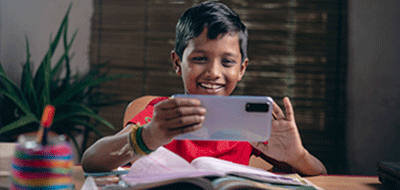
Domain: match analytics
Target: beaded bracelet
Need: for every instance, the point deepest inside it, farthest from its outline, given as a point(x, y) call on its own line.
point(136, 141)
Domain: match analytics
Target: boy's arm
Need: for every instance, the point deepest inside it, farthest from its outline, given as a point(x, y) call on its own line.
point(98, 156)
point(308, 165)
point(170, 118)
point(285, 145)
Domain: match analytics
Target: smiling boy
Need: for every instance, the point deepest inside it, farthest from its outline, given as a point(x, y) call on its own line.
point(211, 66)
point(211, 57)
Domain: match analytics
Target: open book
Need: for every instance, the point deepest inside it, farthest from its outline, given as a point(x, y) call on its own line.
point(164, 167)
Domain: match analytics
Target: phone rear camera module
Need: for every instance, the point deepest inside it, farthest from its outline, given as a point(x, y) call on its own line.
point(257, 107)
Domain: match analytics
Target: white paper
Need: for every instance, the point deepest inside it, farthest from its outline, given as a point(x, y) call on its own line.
point(163, 165)
point(89, 184)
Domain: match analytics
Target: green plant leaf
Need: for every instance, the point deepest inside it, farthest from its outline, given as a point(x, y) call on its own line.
point(64, 83)
point(54, 44)
point(44, 93)
point(28, 53)
point(75, 110)
point(65, 58)
point(27, 83)
point(86, 124)
point(2, 70)
point(21, 104)
point(82, 85)
point(101, 99)
point(72, 95)
point(84, 114)
point(9, 86)
point(15, 94)
point(76, 107)
point(41, 73)
point(22, 121)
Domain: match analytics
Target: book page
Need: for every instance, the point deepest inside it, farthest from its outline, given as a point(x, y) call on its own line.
point(160, 161)
point(233, 182)
point(210, 163)
point(162, 165)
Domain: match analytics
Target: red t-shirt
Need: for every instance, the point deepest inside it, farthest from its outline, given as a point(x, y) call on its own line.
point(234, 151)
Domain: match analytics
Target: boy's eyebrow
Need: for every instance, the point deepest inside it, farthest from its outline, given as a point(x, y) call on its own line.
point(230, 54)
point(204, 51)
point(199, 51)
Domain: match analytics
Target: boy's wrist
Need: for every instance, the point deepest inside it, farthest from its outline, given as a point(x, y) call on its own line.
point(308, 165)
point(148, 138)
point(299, 160)
point(135, 141)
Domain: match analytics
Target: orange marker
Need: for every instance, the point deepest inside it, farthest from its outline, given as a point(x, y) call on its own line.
point(45, 123)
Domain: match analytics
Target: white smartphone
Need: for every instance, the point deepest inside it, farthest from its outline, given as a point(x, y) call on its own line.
point(236, 118)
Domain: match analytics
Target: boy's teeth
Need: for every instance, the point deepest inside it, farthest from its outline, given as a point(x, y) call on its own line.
point(212, 86)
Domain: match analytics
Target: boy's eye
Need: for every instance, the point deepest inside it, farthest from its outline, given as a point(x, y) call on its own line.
point(199, 59)
point(228, 62)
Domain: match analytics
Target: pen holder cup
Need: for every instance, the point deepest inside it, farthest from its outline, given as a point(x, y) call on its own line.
point(35, 166)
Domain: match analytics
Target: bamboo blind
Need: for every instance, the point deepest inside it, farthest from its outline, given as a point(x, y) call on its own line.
point(292, 51)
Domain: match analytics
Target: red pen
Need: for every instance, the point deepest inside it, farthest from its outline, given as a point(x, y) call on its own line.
point(45, 123)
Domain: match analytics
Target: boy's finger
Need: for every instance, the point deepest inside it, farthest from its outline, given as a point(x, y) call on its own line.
point(278, 113)
point(184, 121)
point(288, 109)
point(183, 111)
point(178, 102)
point(186, 129)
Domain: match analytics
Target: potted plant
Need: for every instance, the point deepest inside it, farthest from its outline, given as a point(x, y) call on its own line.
point(72, 95)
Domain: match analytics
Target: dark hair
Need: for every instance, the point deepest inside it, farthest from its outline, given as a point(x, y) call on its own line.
point(219, 19)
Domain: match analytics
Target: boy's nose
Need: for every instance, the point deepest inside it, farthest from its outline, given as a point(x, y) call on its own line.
point(213, 70)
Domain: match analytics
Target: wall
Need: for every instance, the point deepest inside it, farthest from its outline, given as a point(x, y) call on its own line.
point(39, 20)
point(373, 127)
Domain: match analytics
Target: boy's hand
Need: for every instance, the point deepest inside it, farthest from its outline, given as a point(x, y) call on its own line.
point(284, 144)
point(173, 117)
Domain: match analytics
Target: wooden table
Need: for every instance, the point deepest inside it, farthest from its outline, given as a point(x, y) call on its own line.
point(327, 182)
point(343, 182)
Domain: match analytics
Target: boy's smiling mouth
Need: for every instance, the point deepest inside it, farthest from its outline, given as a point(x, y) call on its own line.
point(211, 86)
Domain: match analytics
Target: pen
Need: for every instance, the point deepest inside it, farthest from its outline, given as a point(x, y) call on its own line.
point(45, 123)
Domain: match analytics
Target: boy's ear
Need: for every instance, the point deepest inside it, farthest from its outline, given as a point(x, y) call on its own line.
point(243, 67)
point(176, 63)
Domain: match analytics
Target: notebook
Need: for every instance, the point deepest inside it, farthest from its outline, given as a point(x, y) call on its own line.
point(389, 174)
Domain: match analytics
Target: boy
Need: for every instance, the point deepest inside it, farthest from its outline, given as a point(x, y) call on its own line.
point(211, 57)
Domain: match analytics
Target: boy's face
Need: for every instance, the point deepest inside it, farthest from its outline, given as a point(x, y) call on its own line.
point(211, 67)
